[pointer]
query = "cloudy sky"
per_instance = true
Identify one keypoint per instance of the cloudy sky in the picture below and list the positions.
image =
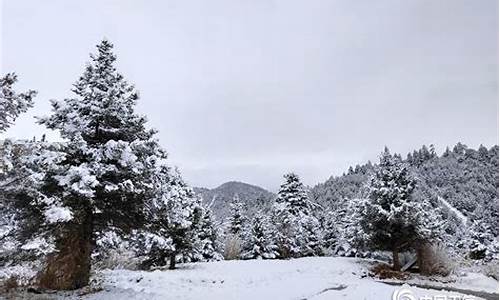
(247, 90)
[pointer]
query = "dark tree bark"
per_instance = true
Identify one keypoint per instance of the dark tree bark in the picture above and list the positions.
(421, 259)
(69, 268)
(172, 262)
(396, 265)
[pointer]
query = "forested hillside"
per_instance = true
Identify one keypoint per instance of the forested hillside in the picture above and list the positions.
(465, 178)
(461, 183)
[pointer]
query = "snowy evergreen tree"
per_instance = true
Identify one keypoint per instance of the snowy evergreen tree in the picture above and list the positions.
(285, 231)
(26, 217)
(235, 229)
(297, 230)
(208, 246)
(16, 240)
(309, 238)
(157, 248)
(258, 242)
(110, 167)
(170, 220)
(13, 154)
(236, 219)
(351, 236)
(338, 197)
(293, 194)
(482, 244)
(12, 103)
(392, 219)
(331, 233)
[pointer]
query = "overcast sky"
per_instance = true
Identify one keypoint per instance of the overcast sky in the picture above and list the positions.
(247, 90)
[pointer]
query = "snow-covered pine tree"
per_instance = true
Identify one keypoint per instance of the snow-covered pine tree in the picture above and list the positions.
(29, 214)
(258, 242)
(207, 239)
(296, 228)
(310, 236)
(110, 166)
(330, 224)
(285, 231)
(236, 217)
(482, 244)
(170, 220)
(351, 235)
(235, 229)
(391, 217)
(12, 103)
(293, 193)
(15, 155)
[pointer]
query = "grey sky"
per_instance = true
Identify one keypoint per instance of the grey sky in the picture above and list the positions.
(247, 90)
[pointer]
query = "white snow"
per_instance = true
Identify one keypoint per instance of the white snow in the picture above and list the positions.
(40, 245)
(79, 179)
(468, 280)
(24, 273)
(58, 214)
(305, 278)
(476, 282)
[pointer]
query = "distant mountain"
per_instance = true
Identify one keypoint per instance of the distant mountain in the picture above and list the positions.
(219, 198)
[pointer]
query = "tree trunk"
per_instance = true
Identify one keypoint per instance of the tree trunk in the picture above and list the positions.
(172, 261)
(69, 268)
(396, 266)
(421, 259)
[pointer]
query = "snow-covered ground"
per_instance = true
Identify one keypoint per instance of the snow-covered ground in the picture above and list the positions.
(306, 278)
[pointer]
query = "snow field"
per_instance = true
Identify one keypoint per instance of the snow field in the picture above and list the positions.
(305, 278)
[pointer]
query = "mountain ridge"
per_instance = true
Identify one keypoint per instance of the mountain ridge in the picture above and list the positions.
(252, 196)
